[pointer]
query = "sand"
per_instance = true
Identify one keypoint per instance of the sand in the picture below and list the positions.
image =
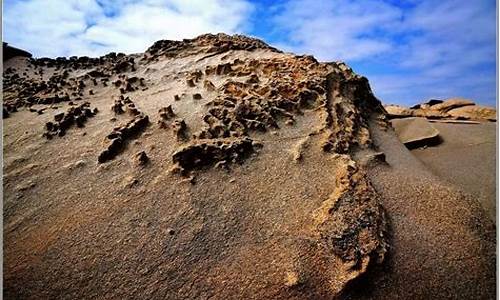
(466, 158)
(443, 243)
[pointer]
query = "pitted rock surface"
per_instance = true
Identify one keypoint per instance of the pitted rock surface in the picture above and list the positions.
(216, 167)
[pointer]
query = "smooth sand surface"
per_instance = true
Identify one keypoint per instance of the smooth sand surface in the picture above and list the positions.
(442, 243)
(466, 158)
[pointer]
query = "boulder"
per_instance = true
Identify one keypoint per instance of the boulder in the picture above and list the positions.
(449, 109)
(429, 114)
(450, 104)
(9, 52)
(415, 132)
(396, 111)
(474, 112)
(430, 102)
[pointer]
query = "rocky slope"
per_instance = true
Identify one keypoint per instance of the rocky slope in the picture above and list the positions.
(216, 167)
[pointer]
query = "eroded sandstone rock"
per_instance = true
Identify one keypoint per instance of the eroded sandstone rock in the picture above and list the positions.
(206, 153)
(449, 109)
(255, 99)
(117, 139)
(63, 121)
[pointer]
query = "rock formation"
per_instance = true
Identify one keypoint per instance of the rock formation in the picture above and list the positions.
(9, 52)
(450, 109)
(413, 126)
(415, 132)
(256, 183)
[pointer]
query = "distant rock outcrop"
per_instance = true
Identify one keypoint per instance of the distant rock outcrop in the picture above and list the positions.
(450, 109)
(474, 112)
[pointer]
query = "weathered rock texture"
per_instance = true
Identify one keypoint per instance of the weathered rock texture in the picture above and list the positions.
(249, 189)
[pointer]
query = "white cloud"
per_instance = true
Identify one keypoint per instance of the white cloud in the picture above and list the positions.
(410, 51)
(73, 27)
(410, 89)
(452, 33)
(139, 25)
(47, 27)
(334, 30)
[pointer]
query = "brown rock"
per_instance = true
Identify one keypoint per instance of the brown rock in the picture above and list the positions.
(166, 113)
(141, 158)
(474, 112)
(310, 228)
(429, 114)
(415, 132)
(450, 104)
(209, 85)
(179, 127)
(396, 111)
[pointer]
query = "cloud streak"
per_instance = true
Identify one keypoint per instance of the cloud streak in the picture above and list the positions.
(90, 27)
(337, 29)
(409, 52)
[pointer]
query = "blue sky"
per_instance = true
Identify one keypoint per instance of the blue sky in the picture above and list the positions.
(409, 50)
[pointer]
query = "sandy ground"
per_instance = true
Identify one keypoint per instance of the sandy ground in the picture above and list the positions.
(443, 243)
(467, 158)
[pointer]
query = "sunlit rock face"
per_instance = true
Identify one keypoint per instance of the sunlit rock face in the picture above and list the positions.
(213, 167)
